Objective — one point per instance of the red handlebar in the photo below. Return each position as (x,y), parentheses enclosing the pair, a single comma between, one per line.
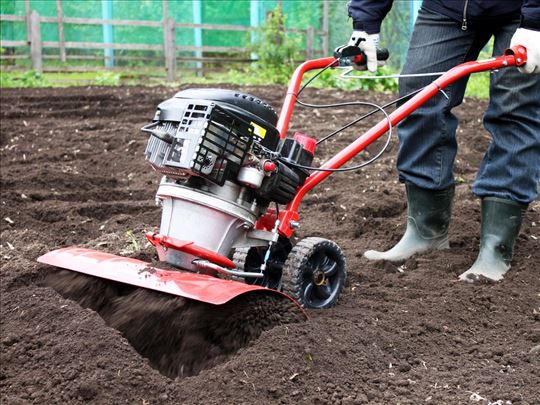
(516,56)
(294,85)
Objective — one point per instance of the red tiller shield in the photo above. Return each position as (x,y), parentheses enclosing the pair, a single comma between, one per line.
(135,272)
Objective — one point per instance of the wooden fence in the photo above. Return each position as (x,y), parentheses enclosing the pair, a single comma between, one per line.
(167,52)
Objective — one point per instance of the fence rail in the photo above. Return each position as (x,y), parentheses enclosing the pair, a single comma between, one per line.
(168,49)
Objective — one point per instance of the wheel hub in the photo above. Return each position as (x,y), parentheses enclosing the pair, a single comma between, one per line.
(319,278)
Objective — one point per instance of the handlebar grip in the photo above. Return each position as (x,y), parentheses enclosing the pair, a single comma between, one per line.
(361,59)
(382,54)
(349,54)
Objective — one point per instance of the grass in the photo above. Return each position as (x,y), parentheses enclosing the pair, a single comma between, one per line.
(33,79)
(477,87)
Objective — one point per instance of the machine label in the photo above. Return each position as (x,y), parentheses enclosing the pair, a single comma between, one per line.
(258,130)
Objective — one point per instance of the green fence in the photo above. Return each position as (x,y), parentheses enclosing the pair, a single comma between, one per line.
(300,15)
(327,21)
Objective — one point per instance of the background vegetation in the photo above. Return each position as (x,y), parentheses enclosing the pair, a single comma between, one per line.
(278,54)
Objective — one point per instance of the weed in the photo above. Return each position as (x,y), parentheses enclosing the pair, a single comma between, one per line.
(478,85)
(107,78)
(134,245)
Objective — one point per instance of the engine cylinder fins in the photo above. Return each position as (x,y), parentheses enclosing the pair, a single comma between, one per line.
(180,337)
(315,273)
(253,104)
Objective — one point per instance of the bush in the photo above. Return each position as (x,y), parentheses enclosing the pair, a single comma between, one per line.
(276,52)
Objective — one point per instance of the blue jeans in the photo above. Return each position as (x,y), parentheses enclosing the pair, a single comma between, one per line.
(511,166)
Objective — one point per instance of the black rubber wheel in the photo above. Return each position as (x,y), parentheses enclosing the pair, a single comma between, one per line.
(250,259)
(315,273)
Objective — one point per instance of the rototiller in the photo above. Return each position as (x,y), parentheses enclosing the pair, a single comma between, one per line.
(227,166)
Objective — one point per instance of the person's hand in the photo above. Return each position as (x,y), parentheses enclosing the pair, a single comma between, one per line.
(368,44)
(530,39)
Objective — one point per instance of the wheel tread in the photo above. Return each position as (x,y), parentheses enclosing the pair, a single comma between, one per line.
(298,257)
(239,257)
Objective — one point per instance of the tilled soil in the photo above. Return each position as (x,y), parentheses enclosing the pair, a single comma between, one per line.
(72,173)
(180,337)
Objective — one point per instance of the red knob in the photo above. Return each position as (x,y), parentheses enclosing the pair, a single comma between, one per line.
(269,166)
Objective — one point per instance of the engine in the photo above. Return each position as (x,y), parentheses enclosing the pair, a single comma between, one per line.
(223,162)
(223,135)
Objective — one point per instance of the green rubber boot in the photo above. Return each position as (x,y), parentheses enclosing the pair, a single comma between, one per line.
(501,220)
(427,224)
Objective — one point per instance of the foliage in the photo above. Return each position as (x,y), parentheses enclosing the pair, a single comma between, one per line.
(18,79)
(332,79)
(276,52)
(30,78)
(133,243)
(107,78)
(478,85)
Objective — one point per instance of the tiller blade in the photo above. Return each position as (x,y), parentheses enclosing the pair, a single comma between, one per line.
(200,287)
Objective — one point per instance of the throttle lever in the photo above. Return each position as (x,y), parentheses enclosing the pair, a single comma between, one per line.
(347,55)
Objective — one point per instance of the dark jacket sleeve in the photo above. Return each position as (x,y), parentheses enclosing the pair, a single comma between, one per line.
(367,15)
(530,15)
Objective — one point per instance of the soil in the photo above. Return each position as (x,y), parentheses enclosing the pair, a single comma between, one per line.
(73,173)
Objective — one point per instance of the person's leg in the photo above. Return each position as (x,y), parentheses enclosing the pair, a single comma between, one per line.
(508,177)
(427,137)
(511,166)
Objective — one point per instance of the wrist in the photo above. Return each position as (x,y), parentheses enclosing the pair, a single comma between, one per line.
(370,27)
(529,24)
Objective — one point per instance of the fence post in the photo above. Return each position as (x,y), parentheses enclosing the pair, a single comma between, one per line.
(61,40)
(27,12)
(197,34)
(35,42)
(169,47)
(325,27)
(108,32)
(165,8)
(165,21)
(310,36)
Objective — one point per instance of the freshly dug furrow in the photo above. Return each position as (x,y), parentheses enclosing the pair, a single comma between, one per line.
(180,337)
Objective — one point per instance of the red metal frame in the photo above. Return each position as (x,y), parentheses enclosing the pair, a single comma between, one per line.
(135,272)
(188,247)
(516,56)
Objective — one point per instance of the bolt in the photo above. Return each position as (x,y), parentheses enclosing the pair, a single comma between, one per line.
(294,225)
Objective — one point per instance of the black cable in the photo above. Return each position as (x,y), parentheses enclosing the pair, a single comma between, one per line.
(359,166)
(314,77)
(377,108)
(357,120)
(350,124)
